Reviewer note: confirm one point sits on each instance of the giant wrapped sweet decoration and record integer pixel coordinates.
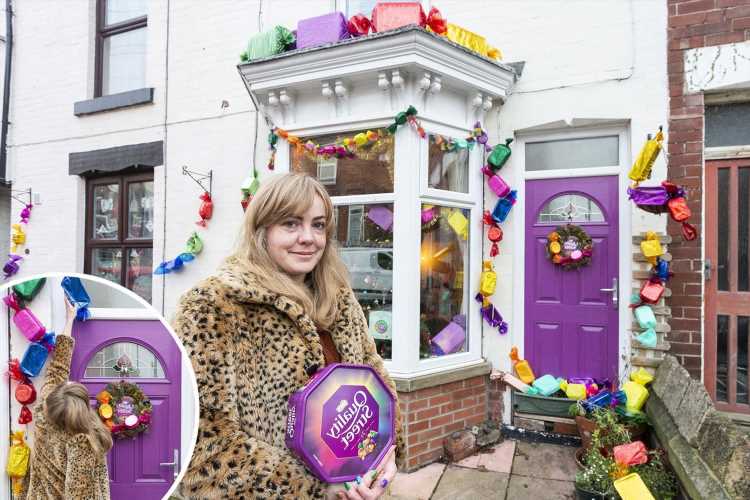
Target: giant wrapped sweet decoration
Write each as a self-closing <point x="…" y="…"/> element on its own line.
<point x="24" y="319"/>
<point x="18" y="461"/>
<point x="645" y="316"/>
<point x="268" y="43"/>
<point x="651" y="247"/>
<point x="206" y="210"/>
<point x="471" y="41"/>
<point x="27" y="290"/>
<point x="320" y="30"/>
<point x="641" y="169"/>
<point x="651" y="291"/>
<point x="496" y="183"/>
<point x="11" y="266"/>
<point x="77" y="296"/>
<point x="392" y="15"/>
<point x="342" y="423"/>
<point x="36" y="355"/>
<point x="503" y="206"/>
<point x="451" y="338"/>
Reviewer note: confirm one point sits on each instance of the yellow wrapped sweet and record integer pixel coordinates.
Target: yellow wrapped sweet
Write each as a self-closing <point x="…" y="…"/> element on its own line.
<point x="554" y="247"/>
<point x="459" y="223"/>
<point x="488" y="280"/>
<point x="105" y="411"/>
<point x="573" y="391"/>
<point x="636" y="396"/>
<point x="641" y="169"/>
<point x="360" y="139"/>
<point x="641" y="377"/>
<point x="18" y="460"/>
<point x="467" y="39"/>
<point x="651" y="248"/>
<point x="18" y="238"/>
<point x="494" y="53"/>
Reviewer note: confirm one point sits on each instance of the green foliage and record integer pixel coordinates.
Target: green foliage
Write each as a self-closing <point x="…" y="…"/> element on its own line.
<point x="658" y="478"/>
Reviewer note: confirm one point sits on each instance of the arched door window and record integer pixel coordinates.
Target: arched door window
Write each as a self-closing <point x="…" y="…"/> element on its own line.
<point x="570" y="207"/>
<point x="124" y="360"/>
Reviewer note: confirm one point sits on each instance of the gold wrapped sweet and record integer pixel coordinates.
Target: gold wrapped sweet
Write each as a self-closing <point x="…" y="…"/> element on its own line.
<point x="554" y="247"/>
<point x="459" y="223"/>
<point x="641" y="169"/>
<point x="553" y="236"/>
<point x="471" y="41"/>
<point x="487" y="280"/>
<point x="651" y="248"/>
<point x="104" y="397"/>
<point x="105" y="411"/>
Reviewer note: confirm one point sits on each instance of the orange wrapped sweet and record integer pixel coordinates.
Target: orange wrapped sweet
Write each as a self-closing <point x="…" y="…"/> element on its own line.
<point x="553" y="236"/>
<point x="554" y="247"/>
<point x="104" y="397"/>
<point x="556" y="258"/>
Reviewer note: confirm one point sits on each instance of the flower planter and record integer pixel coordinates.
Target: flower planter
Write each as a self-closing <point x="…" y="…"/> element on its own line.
<point x="541" y="405"/>
<point x="586" y="427"/>
<point x="582" y="494"/>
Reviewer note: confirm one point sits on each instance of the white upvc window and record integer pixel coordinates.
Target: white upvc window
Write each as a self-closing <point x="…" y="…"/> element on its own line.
<point x="410" y="231"/>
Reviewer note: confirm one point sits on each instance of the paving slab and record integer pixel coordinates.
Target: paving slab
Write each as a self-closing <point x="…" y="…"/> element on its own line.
<point x="545" y="461"/>
<point x="499" y="459"/>
<point x="417" y="485"/>
<point x="531" y="487"/>
<point x="459" y="483"/>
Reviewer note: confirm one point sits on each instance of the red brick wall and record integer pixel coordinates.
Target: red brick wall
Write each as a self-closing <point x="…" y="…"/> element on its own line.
<point x="692" y="24"/>
<point x="430" y="415"/>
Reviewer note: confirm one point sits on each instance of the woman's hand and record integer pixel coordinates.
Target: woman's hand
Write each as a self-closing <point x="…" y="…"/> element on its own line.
<point x="373" y="484"/>
<point x="70" y="316"/>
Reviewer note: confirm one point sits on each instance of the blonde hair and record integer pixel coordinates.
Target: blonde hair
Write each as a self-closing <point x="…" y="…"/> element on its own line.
<point x="67" y="407"/>
<point x="280" y="197"/>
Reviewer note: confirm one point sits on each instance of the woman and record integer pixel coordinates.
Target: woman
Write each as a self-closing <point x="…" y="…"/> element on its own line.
<point x="69" y="458"/>
<point x="276" y="311"/>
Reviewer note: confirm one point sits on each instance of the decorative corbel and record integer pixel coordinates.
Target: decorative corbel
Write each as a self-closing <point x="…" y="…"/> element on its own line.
<point x="479" y="105"/>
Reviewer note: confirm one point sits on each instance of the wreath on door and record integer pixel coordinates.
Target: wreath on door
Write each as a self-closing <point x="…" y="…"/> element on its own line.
<point x="569" y="247"/>
<point x="124" y="409"/>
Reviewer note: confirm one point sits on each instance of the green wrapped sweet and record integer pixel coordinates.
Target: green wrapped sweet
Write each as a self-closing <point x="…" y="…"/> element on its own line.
<point x="29" y="289"/>
<point x="194" y="244"/>
<point x="268" y="43"/>
<point x="499" y="155"/>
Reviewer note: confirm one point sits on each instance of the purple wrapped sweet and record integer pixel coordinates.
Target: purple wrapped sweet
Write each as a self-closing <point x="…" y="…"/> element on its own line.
<point x="451" y="338"/>
<point x="654" y="195"/>
<point x="321" y="30"/>
<point x="342" y="423"/>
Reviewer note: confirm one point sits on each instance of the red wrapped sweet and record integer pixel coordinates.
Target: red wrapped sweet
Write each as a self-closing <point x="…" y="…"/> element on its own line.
<point x="25" y="393"/>
<point x="651" y="291"/>
<point x="389" y="16"/>
<point x="25" y="416"/>
<point x="678" y="209"/>
<point x="358" y="25"/>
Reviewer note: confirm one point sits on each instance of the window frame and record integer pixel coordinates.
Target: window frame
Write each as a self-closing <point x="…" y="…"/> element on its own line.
<point x="123" y="179"/>
<point x="410" y="191"/>
<point x="104" y="31"/>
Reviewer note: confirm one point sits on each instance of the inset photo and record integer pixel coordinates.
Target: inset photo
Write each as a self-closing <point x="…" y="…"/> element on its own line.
<point x="102" y="399"/>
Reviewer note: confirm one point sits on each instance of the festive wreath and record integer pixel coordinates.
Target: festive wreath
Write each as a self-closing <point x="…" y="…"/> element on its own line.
<point x="569" y="247"/>
<point x="125" y="410"/>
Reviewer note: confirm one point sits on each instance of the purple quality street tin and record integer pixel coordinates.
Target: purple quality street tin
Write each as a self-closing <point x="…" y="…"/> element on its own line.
<point x="341" y="423"/>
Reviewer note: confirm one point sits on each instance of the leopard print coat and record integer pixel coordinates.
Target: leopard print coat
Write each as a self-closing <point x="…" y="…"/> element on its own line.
<point x="63" y="465"/>
<point x="251" y="349"/>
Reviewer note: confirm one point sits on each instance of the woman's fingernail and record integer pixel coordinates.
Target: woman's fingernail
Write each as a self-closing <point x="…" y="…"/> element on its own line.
<point x="346" y="486"/>
<point x="384" y="483"/>
<point x="373" y="474"/>
<point x="358" y="479"/>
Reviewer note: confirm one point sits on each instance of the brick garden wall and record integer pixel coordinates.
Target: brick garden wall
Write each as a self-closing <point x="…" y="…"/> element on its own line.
<point x="432" y="414"/>
<point x="692" y="24"/>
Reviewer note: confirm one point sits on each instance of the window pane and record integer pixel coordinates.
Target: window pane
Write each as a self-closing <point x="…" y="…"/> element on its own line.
<point x="107" y="263"/>
<point x="371" y="172"/>
<point x="124" y="360"/>
<point x="448" y="170"/>
<point x="743" y="324"/>
<point x="443" y="272"/>
<point x="743" y="231"/>
<point x="570" y="208"/>
<point x="124" y="62"/>
<point x="365" y="237"/>
<point x="106" y="296"/>
<point x="141" y="210"/>
<point x="726" y="125"/>
<point x="106" y="211"/>
<point x="722" y="266"/>
<point x="722" y="366"/>
<point x="138" y="277"/>
<point x="121" y="10"/>
<point x="573" y="153"/>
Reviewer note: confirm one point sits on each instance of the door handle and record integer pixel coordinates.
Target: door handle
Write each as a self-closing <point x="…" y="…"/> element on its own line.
<point x="175" y="464"/>
<point x="614" y="290"/>
<point x="707" y="269"/>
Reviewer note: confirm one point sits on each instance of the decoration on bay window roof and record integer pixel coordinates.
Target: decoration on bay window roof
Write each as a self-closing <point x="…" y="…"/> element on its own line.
<point x="333" y="28"/>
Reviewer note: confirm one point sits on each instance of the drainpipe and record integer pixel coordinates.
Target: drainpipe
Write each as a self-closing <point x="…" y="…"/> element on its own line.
<point x="6" y="91"/>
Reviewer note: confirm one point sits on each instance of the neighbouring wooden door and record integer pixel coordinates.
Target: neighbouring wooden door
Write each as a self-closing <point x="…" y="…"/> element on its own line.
<point x="727" y="289"/>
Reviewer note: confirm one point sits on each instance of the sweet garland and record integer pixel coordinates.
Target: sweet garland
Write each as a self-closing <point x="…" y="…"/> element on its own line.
<point x="569" y="247"/>
<point x="124" y="409"/>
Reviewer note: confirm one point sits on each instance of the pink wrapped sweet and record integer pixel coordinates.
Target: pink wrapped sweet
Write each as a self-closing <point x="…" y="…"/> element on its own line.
<point x="25" y="320"/>
<point x="496" y="183"/>
<point x="392" y="15"/>
<point x="342" y="422"/>
<point x="320" y="30"/>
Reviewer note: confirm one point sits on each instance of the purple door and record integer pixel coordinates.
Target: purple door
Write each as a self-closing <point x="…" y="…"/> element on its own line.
<point x="571" y="320"/>
<point x="141" y="467"/>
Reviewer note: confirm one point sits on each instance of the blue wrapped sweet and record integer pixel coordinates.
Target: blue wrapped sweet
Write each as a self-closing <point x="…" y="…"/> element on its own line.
<point x="77" y="296"/>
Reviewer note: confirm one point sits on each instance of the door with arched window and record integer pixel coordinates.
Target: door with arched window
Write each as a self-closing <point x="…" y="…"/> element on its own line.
<point x="145" y="466"/>
<point x="571" y="316"/>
